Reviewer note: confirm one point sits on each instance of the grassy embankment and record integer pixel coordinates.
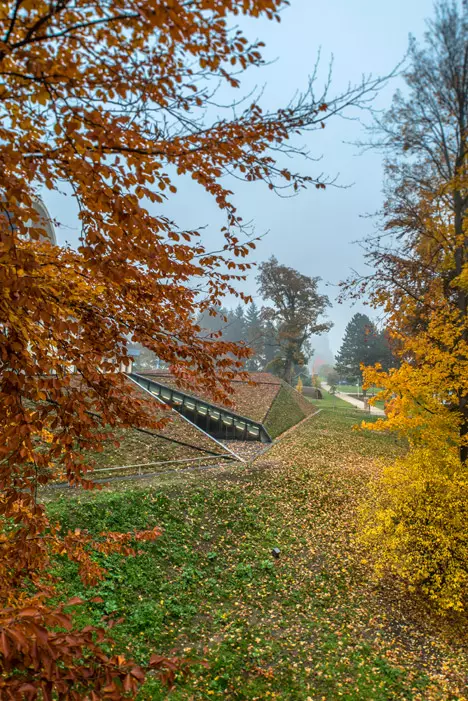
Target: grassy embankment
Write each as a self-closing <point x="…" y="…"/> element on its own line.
<point x="307" y="626"/>
<point x="288" y="409"/>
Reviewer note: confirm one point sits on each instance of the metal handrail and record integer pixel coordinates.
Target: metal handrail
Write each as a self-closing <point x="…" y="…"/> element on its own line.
<point x="215" y="413"/>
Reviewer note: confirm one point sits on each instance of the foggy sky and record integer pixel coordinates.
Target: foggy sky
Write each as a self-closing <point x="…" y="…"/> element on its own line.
<point x="314" y="231"/>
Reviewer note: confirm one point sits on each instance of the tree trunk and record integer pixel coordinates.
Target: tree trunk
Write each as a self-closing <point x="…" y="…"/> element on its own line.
<point x="462" y="303"/>
<point x="288" y="370"/>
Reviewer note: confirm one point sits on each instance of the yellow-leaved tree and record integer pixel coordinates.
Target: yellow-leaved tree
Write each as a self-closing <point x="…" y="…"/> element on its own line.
<point x="415" y="522"/>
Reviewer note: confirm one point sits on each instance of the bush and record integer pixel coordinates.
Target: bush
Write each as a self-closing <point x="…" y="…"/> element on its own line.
<point x="415" y="524"/>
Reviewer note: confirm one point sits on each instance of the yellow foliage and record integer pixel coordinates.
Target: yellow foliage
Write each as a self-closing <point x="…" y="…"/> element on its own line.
<point x="299" y="385"/>
<point x="416" y="524"/>
<point x="422" y="393"/>
<point x="316" y="382"/>
<point x="416" y="521"/>
<point x="462" y="280"/>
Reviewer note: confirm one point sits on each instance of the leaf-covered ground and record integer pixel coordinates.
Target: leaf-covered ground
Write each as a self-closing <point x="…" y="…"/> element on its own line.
<point x="178" y="441"/>
<point x="144" y="452"/>
<point x="310" y="625"/>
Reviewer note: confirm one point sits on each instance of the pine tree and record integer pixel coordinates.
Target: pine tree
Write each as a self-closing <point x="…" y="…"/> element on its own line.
<point x="212" y="322"/>
<point x="235" y="329"/>
<point x="253" y="318"/>
<point x="270" y="342"/>
<point x="361" y="344"/>
<point x="254" y="337"/>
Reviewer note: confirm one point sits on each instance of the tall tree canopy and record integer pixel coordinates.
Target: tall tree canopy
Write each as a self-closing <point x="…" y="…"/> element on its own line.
<point x="424" y="242"/>
<point x="110" y="97"/>
<point x="297" y="308"/>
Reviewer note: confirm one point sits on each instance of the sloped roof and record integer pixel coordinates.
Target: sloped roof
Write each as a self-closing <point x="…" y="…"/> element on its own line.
<point x="179" y="429"/>
<point x="251" y="401"/>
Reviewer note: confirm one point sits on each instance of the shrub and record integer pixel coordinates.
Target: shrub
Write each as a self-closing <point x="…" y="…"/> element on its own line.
<point x="415" y="524"/>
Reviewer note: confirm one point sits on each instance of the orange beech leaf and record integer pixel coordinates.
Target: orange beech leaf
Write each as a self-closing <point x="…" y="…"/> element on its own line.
<point x="28" y="612"/>
<point x="74" y="601"/>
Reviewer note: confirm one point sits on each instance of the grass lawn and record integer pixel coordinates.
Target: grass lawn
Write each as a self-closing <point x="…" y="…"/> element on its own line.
<point x="331" y="402"/>
<point x="308" y="626"/>
<point x="379" y="404"/>
<point x="353" y="389"/>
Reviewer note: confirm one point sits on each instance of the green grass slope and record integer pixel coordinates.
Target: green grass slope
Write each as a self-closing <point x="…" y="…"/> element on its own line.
<point x="330" y="401"/>
<point x="288" y="409"/>
<point x="307" y="626"/>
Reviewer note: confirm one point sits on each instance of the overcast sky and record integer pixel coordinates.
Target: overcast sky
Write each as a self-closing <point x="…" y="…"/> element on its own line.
<point x="315" y="231"/>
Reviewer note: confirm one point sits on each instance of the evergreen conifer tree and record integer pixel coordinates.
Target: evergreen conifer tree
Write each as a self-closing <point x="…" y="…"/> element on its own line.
<point x="360" y="344"/>
<point x="235" y="329"/>
<point x="254" y="337"/>
<point x="270" y="342"/>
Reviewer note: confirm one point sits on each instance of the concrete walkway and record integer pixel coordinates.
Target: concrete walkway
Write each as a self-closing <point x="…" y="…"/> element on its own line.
<point x="375" y="411"/>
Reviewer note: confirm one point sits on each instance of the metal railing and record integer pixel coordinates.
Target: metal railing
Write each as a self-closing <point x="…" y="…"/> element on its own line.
<point x="218" y="422"/>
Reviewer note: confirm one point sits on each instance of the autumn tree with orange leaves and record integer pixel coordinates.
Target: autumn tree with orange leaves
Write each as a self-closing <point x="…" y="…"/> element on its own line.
<point x="111" y="97"/>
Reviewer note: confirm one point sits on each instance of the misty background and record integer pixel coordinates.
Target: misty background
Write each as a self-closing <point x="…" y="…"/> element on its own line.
<point x="314" y="232"/>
